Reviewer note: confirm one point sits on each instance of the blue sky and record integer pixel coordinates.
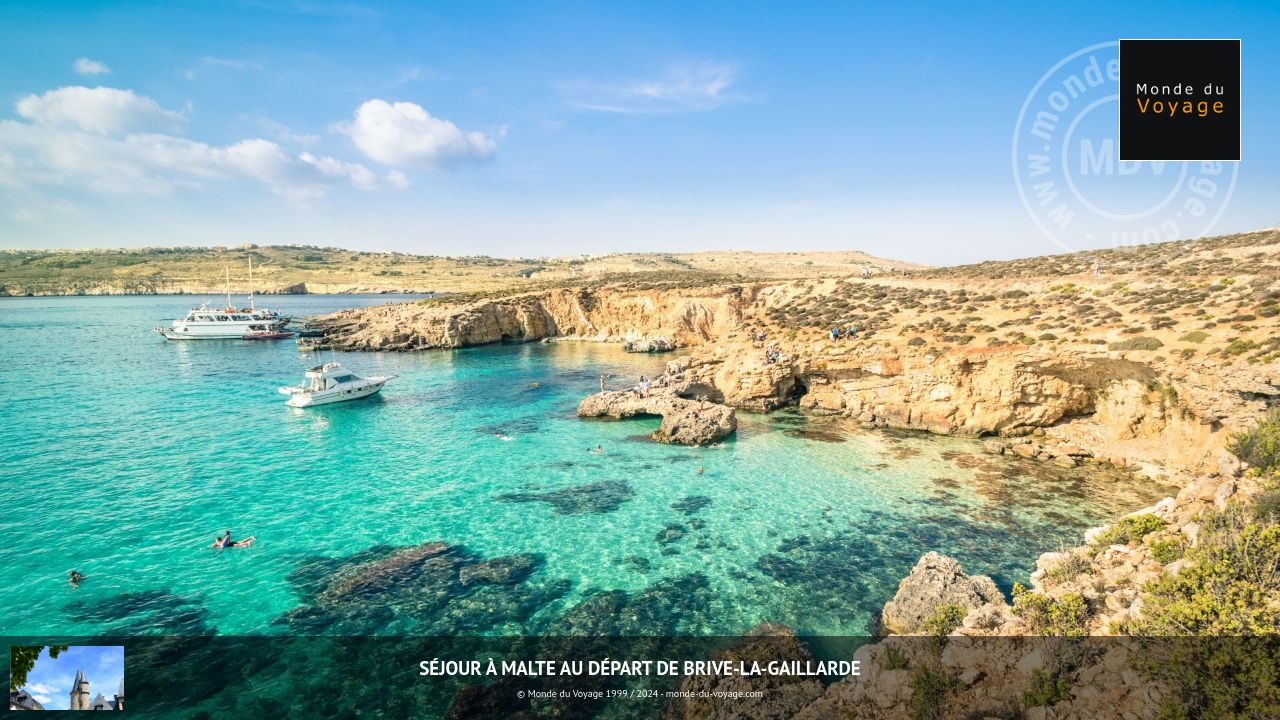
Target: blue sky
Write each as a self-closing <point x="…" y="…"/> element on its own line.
<point x="50" y="680"/>
<point x="524" y="129"/>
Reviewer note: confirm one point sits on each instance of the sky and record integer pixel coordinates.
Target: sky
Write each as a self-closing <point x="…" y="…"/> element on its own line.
<point x="50" y="680"/>
<point x="540" y="129"/>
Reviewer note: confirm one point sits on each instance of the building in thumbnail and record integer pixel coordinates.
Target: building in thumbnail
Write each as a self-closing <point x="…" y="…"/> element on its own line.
<point x="80" y="696"/>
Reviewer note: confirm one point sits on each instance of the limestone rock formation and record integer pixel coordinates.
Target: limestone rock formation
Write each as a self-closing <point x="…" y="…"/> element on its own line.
<point x="667" y="317"/>
<point x="684" y="421"/>
<point x="936" y="580"/>
<point x="649" y="345"/>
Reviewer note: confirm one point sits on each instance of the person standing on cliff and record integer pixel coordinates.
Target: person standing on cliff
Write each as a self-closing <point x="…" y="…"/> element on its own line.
<point x="602" y="383"/>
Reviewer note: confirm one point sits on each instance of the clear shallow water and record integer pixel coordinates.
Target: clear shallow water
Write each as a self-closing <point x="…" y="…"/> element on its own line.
<point x="126" y="454"/>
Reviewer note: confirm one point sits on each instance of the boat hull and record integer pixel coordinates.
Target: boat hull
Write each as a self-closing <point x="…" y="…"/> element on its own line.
<point x="328" y="397"/>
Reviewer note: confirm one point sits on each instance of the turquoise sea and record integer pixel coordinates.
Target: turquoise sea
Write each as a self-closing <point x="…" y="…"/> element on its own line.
<point x="124" y="455"/>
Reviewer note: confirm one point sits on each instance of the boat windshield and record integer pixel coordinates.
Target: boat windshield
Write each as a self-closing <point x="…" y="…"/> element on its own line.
<point x="344" y="378"/>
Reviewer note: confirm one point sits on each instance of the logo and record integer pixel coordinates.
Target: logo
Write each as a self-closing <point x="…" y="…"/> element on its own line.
<point x="1071" y="180"/>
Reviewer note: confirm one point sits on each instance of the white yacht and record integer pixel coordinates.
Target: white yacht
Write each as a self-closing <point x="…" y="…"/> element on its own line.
<point x="205" y="323"/>
<point x="331" y="383"/>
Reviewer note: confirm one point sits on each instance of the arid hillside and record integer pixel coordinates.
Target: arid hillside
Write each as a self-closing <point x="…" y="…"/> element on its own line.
<point x="301" y="269"/>
<point x="1148" y="357"/>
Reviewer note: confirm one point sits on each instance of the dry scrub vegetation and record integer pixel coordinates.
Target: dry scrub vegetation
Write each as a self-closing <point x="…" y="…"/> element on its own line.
<point x="1215" y="298"/>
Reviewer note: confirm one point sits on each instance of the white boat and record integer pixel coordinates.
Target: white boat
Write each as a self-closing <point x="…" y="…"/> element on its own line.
<point x="331" y="383"/>
<point x="205" y="323"/>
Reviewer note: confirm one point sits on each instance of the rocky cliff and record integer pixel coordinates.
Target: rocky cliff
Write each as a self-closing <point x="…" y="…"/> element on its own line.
<point x="1077" y="404"/>
<point x="681" y="316"/>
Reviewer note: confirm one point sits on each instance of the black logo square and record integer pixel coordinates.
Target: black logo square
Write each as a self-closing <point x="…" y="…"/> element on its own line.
<point x="1179" y="99"/>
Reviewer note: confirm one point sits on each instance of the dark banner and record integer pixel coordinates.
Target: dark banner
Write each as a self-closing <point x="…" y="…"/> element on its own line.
<point x="768" y="675"/>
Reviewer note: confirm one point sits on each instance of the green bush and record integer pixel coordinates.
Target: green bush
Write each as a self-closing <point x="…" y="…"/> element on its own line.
<point x="1260" y="447"/>
<point x="895" y="659"/>
<point x="1229" y="585"/>
<point x="1266" y="506"/>
<point x="1195" y="336"/>
<point x="1226" y="592"/>
<point x="1137" y="343"/>
<point x="944" y="620"/>
<point x="1068" y="568"/>
<point x="1129" y="530"/>
<point x="1166" y="551"/>
<point x="929" y="691"/>
<point x="1045" y="689"/>
<point x="1065" y="616"/>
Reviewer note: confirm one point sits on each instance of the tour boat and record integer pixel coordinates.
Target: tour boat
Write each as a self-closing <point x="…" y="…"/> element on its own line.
<point x="331" y="383"/>
<point x="205" y="323"/>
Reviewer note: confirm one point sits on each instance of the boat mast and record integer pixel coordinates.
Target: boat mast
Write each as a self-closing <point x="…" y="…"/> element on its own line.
<point x="250" y="282"/>
<point x="228" y="269"/>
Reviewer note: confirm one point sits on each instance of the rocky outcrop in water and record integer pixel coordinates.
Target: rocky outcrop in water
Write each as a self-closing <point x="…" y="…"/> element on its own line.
<point x="649" y="345"/>
<point x="684" y="421"/>
<point x="935" y="581"/>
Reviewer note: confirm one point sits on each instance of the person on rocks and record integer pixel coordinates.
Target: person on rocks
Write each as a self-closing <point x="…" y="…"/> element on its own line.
<point x="644" y="386"/>
<point x="602" y="383"/>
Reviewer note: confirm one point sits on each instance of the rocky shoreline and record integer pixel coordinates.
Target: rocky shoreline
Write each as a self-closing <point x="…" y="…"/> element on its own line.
<point x="1111" y="398"/>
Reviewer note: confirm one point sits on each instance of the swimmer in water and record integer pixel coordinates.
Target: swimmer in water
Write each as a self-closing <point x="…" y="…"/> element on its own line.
<point x="75" y="577"/>
<point x="224" y="542"/>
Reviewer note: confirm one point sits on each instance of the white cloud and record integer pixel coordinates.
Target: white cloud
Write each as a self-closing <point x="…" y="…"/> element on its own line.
<point x="85" y="66"/>
<point x="406" y="134"/>
<point x="284" y="133"/>
<point x="98" y="110"/>
<point x="397" y="180"/>
<point x="230" y="63"/>
<point x="209" y="62"/>
<point x="43" y="688"/>
<point x="42" y="699"/>
<point x="684" y="88"/>
<point x="106" y="140"/>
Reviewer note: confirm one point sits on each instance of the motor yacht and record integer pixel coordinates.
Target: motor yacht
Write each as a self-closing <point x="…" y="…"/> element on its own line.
<point x="331" y="383"/>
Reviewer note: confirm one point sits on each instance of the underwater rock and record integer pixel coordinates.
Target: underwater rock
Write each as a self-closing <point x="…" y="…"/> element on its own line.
<point x="936" y="580"/>
<point x="819" y="435"/>
<point x="671" y="533"/>
<point x="672" y="606"/>
<point x="595" y="498"/>
<point x="145" y="612"/>
<point x="691" y="504"/>
<point x="430" y="589"/>
<point x="500" y="571"/>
